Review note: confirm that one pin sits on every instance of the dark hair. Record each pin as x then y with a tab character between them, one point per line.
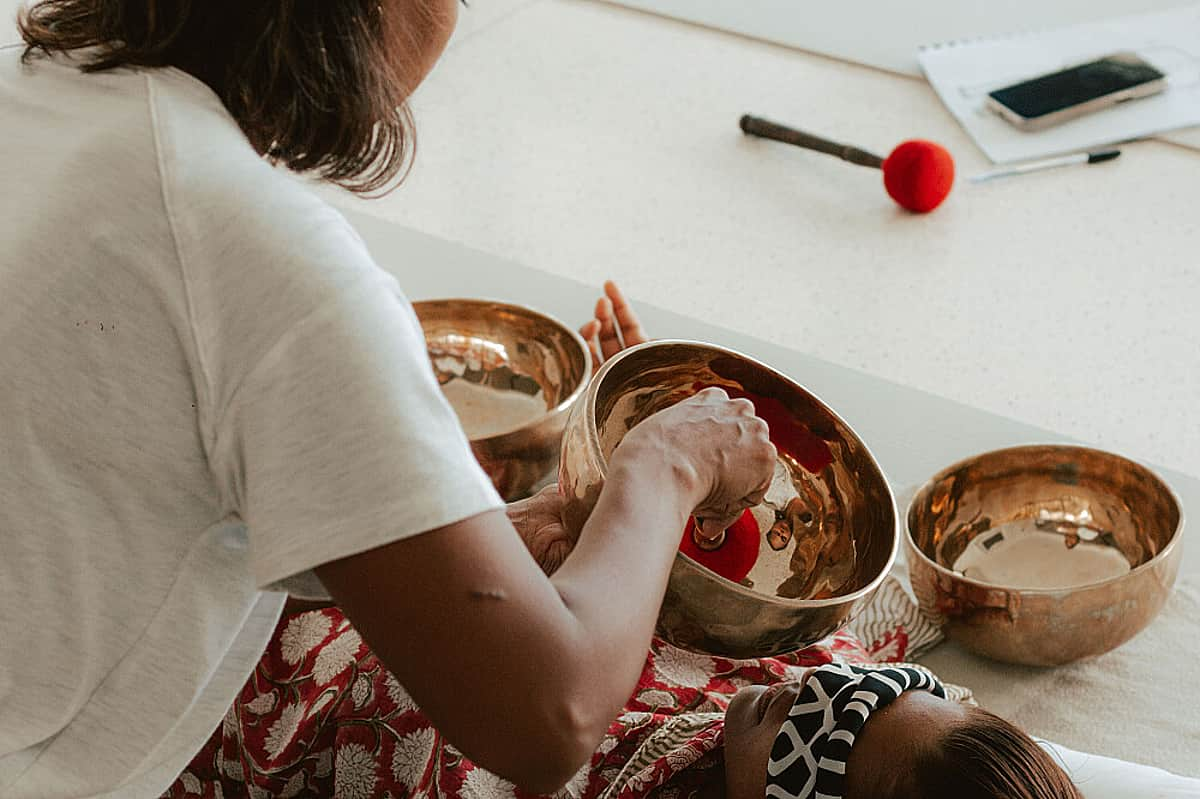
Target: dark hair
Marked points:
310	82
986	757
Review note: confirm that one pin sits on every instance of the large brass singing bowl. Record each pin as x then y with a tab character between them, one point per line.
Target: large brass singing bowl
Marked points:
1043	555
518	373
829	509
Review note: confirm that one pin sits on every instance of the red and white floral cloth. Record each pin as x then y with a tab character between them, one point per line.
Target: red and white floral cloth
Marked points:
321	716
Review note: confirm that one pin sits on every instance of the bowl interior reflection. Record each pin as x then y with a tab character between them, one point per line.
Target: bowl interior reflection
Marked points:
502	367
1043	517
827	524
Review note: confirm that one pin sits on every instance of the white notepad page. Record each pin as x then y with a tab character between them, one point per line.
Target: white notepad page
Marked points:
964	72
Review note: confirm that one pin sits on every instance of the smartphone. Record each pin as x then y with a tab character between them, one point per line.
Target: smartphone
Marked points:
1051	99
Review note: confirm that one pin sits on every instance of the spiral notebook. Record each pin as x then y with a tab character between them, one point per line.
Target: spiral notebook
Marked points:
963	72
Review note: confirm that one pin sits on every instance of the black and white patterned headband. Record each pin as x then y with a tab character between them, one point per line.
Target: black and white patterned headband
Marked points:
808	760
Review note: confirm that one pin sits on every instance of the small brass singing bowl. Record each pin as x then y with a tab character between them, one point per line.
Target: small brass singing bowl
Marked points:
1043	555
512	375
827	529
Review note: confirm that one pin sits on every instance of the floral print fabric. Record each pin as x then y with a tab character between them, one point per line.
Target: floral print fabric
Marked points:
321	716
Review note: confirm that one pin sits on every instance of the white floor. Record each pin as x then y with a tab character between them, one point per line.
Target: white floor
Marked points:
593	141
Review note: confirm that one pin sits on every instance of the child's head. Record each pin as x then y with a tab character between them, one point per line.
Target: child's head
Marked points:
868	733
314	85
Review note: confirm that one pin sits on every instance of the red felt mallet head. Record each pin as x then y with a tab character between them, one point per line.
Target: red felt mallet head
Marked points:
917	175
731	555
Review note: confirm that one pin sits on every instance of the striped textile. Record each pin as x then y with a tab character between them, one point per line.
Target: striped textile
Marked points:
808	760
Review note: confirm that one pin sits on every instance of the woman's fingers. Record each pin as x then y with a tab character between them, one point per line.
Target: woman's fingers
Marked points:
712	527
611	340
590	331
614	327
628	324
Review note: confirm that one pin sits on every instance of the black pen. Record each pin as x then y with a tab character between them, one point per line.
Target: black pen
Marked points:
1048	163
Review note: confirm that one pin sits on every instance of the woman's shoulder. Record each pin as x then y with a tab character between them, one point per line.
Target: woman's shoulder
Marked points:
229	208
202	153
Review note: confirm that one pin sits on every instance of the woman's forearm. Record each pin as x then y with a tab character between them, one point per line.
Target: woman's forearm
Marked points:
523	673
614	579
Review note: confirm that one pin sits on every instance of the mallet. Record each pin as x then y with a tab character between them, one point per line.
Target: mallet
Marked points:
917	174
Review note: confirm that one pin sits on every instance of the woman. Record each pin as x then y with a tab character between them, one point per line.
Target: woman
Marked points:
879	733
213	396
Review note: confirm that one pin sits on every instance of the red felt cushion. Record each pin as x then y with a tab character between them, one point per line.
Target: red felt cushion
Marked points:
918	175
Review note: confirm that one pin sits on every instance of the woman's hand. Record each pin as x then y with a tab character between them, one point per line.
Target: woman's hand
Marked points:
721	444
718	450
614	327
538	520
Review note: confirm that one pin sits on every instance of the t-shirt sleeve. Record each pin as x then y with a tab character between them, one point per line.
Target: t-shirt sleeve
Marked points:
339	440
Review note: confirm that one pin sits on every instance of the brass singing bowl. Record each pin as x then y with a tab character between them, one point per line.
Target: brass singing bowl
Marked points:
827	489
512	375
1043	555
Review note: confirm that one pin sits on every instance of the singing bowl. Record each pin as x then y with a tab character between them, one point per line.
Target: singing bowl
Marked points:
1043	555
828	490
512	375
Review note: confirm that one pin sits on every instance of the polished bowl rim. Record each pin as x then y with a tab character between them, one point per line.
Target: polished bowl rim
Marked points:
593	434
1162	555
566	403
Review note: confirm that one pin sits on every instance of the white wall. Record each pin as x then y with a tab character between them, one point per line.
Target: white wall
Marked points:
8	12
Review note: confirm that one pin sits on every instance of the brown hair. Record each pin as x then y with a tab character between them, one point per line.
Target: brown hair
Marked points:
310	82
986	757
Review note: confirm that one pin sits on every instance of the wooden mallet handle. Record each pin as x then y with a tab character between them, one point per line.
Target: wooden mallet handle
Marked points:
756	126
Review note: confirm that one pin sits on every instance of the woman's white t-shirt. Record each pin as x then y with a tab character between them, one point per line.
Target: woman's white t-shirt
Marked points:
207	388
